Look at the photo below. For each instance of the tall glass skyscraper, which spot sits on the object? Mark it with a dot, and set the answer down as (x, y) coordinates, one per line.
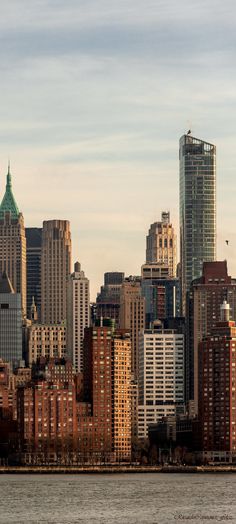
(197, 208)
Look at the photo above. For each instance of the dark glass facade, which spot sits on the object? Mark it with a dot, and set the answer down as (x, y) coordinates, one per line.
(11, 328)
(33, 256)
(162, 297)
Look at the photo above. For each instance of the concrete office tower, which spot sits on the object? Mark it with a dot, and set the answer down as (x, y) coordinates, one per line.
(161, 292)
(10, 323)
(46, 341)
(197, 208)
(78, 315)
(161, 375)
(13, 242)
(204, 300)
(107, 383)
(55, 270)
(33, 264)
(108, 300)
(161, 244)
(132, 317)
(217, 396)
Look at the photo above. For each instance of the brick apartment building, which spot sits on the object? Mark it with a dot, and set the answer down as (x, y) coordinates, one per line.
(107, 380)
(204, 301)
(217, 396)
(60, 420)
(46, 412)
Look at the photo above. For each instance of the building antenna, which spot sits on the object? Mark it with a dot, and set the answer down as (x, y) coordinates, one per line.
(189, 125)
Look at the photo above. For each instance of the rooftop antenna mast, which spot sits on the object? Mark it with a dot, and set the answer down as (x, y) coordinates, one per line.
(189, 126)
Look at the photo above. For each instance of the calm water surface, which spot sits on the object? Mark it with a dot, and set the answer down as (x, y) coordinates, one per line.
(118, 499)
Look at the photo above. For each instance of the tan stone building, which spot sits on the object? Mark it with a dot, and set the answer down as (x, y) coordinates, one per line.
(132, 317)
(161, 244)
(46, 341)
(13, 242)
(55, 270)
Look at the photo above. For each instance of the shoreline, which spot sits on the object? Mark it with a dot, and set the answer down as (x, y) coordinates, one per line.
(114, 469)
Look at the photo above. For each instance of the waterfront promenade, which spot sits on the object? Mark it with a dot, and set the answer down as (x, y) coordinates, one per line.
(115, 469)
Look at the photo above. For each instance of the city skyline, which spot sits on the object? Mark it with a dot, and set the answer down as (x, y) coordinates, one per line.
(103, 95)
(95, 285)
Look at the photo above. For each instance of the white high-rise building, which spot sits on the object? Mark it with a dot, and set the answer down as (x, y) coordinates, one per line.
(161, 375)
(78, 315)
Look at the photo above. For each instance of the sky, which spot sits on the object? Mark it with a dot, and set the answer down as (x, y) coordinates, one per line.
(94, 96)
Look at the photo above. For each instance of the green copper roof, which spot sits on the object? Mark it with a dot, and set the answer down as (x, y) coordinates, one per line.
(8, 201)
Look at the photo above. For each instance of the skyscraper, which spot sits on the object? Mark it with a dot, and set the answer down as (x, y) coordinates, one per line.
(33, 263)
(132, 317)
(13, 242)
(78, 313)
(55, 270)
(197, 208)
(10, 323)
(161, 244)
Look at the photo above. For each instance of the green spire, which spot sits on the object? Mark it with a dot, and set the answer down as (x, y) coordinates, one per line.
(8, 201)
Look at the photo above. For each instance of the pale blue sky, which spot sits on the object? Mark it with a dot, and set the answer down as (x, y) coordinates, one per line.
(94, 95)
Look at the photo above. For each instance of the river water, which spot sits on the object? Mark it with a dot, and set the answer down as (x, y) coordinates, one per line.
(118, 499)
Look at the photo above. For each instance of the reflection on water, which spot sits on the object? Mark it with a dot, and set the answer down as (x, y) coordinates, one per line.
(126, 498)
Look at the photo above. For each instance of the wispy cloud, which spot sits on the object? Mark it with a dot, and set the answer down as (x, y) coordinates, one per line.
(94, 95)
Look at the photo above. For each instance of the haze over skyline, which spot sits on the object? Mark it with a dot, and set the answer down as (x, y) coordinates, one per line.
(94, 97)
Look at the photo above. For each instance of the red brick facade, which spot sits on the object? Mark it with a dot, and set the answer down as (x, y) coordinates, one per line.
(217, 388)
